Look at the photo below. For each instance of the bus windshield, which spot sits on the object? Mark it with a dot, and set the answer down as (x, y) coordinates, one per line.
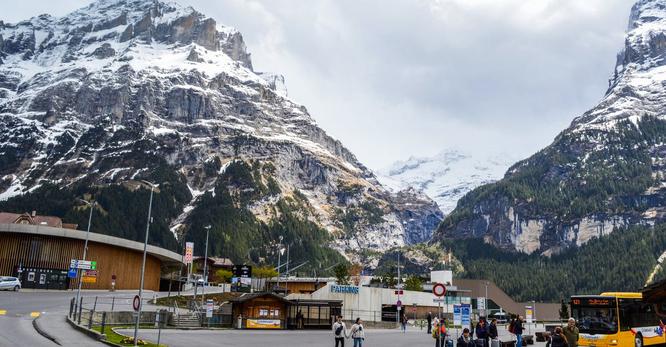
(596, 319)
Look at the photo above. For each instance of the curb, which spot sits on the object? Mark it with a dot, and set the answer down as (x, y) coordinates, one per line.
(95, 335)
(42, 332)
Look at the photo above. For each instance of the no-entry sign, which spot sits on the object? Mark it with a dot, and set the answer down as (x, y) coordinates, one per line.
(439, 290)
(136, 303)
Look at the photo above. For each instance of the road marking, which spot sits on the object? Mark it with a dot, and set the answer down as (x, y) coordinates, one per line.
(34, 314)
(3, 312)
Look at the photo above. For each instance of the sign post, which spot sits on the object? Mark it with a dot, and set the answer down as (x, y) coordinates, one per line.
(439, 290)
(481, 305)
(529, 316)
(189, 250)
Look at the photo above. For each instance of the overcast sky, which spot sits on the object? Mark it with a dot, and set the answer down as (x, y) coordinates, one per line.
(395, 78)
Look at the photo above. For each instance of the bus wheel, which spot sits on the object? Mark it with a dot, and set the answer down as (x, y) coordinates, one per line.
(638, 341)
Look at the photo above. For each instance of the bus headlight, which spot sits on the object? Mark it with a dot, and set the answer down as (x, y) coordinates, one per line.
(613, 342)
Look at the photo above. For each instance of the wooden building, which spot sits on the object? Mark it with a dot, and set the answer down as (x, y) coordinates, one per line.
(40, 255)
(299, 285)
(260, 311)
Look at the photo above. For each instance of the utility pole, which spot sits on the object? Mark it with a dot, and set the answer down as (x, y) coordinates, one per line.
(85, 247)
(143, 264)
(205, 272)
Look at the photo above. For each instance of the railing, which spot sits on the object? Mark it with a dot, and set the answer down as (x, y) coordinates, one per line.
(101, 313)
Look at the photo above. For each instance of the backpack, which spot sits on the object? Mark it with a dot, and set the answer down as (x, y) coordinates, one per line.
(512, 327)
(338, 330)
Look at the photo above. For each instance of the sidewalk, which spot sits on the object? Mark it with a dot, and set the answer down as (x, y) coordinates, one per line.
(56, 325)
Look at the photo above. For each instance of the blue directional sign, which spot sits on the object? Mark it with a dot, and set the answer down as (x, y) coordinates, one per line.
(71, 273)
(465, 310)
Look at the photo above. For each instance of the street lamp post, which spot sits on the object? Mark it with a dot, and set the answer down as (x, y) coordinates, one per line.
(85, 247)
(205, 271)
(279, 259)
(143, 264)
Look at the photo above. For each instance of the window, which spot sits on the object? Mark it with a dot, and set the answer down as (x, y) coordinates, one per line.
(31, 277)
(635, 313)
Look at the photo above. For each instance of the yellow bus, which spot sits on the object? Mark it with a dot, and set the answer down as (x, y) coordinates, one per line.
(616, 319)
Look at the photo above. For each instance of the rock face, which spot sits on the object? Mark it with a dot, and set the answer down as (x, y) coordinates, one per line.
(99, 95)
(604, 172)
(447, 176)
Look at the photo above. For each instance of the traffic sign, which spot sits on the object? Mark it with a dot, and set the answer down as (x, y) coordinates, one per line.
(209, 308)
(71, 273)
(399, 303)
(439, 290)
(399, 292)
(83, 264)
(439, 300)
(136, 303)
(90, 273)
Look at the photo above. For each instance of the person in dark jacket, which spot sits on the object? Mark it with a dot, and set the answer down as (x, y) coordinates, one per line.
(518, 331)
(558, 339)
(465, 340)
(482, 332)
(492, 329)
(429, 318)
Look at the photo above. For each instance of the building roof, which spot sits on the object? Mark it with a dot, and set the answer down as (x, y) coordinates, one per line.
(32, 219)
(158, 252)
(655, 292)
(303, 279)
(247, 297)
(218, 261)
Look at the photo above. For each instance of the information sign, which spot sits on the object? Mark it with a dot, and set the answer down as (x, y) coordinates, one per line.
(189, 250)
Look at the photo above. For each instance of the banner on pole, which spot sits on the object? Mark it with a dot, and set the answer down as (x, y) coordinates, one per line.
(529, 314)
(189, 250)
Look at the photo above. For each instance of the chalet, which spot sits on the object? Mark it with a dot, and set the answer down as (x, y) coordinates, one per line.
(34, 219)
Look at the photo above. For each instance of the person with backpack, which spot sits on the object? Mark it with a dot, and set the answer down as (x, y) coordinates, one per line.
(357, 333)
(403, 322)
(558, 339)
(339, 332)
(439, 334)
(518, 331)
(465, 340)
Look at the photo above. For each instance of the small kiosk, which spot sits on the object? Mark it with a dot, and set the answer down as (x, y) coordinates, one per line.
(260, 311)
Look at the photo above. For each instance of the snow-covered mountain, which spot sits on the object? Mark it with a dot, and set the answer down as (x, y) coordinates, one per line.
(447, 176)
(123, 90)
(607, 171)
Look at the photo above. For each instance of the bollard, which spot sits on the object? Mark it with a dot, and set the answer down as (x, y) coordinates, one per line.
(103, 322)
(113, 302)
(95, 305)
(71, 307)
(80, 309)
(90, 320)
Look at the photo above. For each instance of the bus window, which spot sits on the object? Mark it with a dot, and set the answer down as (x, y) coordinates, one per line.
(636, 313)
(595, 320)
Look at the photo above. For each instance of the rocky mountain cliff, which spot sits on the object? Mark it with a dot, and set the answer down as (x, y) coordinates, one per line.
(129, 90)
(604, 172)
(447, 176)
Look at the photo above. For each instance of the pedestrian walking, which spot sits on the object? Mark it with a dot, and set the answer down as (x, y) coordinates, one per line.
(481, 333)
(492, 329)
(403, 323)
(571, 333)
(357, 333)
(518, 331)
(299, 319)
(440, 333)
(429, 319)
(558, 339)
(465, 340)
(339, 332)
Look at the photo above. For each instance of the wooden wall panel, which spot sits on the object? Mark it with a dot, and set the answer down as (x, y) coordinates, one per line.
(53, 252)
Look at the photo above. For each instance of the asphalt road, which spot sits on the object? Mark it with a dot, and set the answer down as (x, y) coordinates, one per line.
(310, 338)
